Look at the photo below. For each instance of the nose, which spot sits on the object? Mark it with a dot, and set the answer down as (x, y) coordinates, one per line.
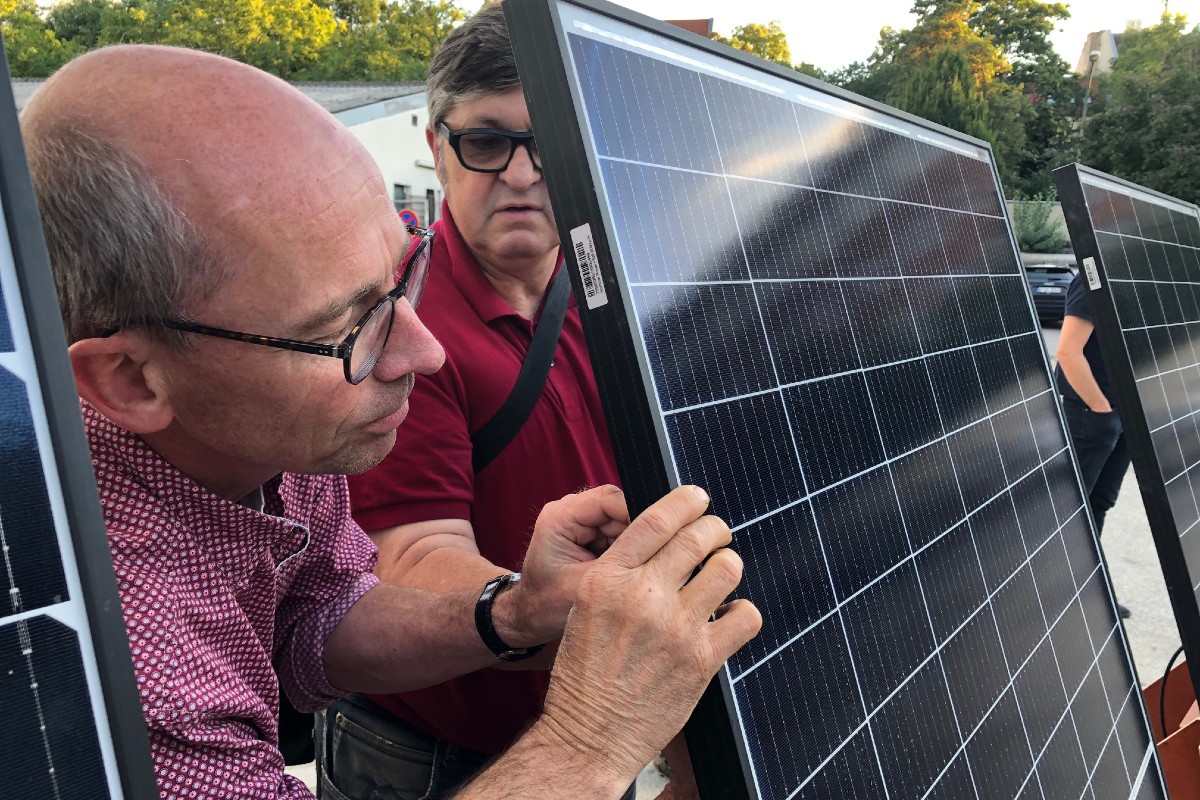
(410, 347)
(521, 172)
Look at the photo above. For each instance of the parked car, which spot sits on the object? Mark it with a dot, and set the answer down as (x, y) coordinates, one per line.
(1049, 283)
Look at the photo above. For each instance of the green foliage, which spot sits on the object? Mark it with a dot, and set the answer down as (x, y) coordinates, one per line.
(1020, 96)
(1149, 128)
(361, 40)
(32, 48)
(942, 88)
(1036, 230)
(765, 41)
(811, 70)
(381, 41)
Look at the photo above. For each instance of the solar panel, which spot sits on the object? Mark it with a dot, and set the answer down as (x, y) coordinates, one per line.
(811, 305)
(1140, 251)
(73, 726)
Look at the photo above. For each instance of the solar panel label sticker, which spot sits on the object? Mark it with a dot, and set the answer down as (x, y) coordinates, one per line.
(589, 266)
(1089, 269)
(1145, 250)
(816, 311)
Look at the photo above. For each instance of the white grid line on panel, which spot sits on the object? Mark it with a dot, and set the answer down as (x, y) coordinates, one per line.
(35, 689)
(1008, 685)
(830, 279)
(775, 372)
(1095, 665)
(907, 559)
(892, 477)
(635, 162)
(1159, 373)
(1145, 238)
(844, 373)
(851, 654)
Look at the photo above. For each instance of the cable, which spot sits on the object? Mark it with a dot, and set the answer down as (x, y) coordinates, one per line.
(1162, 692)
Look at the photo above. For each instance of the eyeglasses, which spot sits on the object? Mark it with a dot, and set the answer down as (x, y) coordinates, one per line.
(490, 149)
(362, 347)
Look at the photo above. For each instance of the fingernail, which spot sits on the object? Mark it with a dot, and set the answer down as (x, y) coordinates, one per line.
(702, 494)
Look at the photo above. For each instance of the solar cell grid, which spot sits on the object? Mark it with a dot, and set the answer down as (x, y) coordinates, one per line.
(870, 410)
(1145, 252)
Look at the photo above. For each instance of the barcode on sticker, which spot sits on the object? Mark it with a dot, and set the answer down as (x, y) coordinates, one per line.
(1089, 269)
(589, 266)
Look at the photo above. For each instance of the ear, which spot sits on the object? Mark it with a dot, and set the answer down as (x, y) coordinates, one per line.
(431, 140)
(118, 376)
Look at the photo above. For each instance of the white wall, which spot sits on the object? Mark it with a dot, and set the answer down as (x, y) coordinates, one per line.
(388, 132)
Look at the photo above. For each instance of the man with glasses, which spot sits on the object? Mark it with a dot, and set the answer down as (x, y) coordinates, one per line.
(442, 514)
(238, 294)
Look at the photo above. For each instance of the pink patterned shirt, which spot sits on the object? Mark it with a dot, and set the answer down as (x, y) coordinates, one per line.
(223, 603)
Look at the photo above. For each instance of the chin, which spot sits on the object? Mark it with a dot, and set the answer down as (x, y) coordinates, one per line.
(359, 457)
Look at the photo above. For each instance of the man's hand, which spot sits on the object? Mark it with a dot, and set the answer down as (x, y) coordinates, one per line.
(641, 644)
(568, 537)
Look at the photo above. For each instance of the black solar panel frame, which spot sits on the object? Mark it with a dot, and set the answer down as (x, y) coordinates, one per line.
(1069, 180)
(73, 457)
(719, 757)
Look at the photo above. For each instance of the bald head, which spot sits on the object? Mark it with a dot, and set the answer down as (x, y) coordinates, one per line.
(223, 140)
(205, 160)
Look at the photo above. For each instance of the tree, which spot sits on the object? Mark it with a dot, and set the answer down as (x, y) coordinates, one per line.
(1005, 45)
(79, 21)
(942, 88)
(1149, 129)
(32, 48)
(1036, 230)
(765, 41)
(385, 41)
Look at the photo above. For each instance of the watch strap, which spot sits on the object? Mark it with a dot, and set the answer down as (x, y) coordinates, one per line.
(487, 629)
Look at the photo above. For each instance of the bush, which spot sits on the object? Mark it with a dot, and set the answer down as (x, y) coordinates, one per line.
(1036, 231)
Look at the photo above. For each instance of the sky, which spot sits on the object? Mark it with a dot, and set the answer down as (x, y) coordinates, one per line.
(833, 34)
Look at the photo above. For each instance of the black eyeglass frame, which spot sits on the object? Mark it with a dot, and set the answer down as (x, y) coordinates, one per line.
(343, 349)
(515, 139)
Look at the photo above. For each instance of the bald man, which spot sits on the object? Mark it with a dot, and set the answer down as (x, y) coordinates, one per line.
(238, 294)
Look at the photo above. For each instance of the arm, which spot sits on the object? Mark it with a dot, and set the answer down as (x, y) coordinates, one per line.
(640, 647)
(1075, 333)
(383, 643)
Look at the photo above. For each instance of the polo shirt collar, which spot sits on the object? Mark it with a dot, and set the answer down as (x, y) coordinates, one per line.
(468, 275)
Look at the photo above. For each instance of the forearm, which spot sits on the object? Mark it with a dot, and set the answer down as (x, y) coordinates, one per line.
(1079, 374)
(438, 562)
(541, 765)
(396, 639)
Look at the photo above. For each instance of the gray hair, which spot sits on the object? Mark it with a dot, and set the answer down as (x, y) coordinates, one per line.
(476, 59)
(120, 248)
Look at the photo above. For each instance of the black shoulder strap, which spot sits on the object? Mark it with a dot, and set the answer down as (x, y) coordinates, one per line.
(491, 439)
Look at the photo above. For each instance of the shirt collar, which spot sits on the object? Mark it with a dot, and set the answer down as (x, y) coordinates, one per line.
(127, 467)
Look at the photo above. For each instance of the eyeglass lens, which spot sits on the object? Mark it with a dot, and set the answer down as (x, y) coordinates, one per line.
(493, 151)
(368, 346)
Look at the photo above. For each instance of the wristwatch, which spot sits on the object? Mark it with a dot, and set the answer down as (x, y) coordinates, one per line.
(487, 630)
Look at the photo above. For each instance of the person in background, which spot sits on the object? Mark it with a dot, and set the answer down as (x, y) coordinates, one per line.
(1087, 397)
(450, 506)
(239, 296)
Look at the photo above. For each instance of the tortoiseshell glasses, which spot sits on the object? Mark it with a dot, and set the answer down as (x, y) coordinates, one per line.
(362, 347)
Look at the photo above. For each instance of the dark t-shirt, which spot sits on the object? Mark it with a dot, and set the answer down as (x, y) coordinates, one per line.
(1077, 306)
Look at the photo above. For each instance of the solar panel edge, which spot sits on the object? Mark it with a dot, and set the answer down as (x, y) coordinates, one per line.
(72, 457)
(1069, 181)
(719, 757)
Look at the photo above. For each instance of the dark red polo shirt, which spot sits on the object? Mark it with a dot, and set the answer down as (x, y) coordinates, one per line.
(562, 448)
